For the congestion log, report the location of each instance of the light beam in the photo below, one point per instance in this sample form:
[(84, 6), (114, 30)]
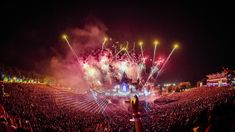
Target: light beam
[(141, 48), (154, 53), (103, 44), (65, 37), (167, 59)]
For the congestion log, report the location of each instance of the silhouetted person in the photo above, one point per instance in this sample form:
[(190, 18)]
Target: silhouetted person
[(136, 114)]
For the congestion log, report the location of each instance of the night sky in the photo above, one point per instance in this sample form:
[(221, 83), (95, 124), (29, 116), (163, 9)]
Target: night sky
[(30, 32)]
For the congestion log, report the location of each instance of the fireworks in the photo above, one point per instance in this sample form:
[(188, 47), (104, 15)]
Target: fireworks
[(154, 52), (167, 59), (105, 66), (103, 44), (141, 48), (65, 37)]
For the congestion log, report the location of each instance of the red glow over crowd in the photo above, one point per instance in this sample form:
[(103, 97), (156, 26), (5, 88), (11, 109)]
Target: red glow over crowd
[(35, 105)]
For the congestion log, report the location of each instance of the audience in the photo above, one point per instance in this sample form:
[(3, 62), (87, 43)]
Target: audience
[(35, 107)]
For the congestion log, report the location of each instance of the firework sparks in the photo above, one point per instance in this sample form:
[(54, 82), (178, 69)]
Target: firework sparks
[(106, 65), (103, 44)]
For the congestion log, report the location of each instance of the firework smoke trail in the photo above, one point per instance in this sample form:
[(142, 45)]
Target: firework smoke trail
[(105, 39), (118, 53), (142, 52), (141, 48), (154, 52), (71, 48), (141, 68), (129, 55), (133, 47), (127, 44), (154, 69), (167, 59)]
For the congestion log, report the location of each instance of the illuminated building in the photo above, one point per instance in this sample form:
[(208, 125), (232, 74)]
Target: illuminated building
[(225, 78)]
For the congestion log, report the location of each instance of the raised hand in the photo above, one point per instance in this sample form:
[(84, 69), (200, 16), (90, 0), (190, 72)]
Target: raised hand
[(135, 104)]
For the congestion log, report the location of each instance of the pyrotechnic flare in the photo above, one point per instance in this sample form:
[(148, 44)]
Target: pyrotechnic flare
[(65, 37), (119, 52), (154, 69), (121, 49), (103, 67), (167, 59), (127, 45), (154, 53), (126, 50), (133, 47), (105, 40), (141, 48)]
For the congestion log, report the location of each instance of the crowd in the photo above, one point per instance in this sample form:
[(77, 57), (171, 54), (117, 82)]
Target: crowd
[(188, 109), (39, 104), (12, 124)]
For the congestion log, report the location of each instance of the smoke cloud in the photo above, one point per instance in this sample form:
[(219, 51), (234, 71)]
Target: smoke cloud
[(66, 70)]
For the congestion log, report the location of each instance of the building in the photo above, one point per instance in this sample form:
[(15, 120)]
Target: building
[(224, 78)]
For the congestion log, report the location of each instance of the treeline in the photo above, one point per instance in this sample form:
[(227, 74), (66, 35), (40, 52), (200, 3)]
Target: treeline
[(10, 74)]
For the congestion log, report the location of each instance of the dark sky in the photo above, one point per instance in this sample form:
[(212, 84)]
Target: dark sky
[(31, 31)]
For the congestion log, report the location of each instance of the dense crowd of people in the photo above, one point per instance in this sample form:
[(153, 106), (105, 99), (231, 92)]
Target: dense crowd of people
[(40, 105), (186, 110)]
